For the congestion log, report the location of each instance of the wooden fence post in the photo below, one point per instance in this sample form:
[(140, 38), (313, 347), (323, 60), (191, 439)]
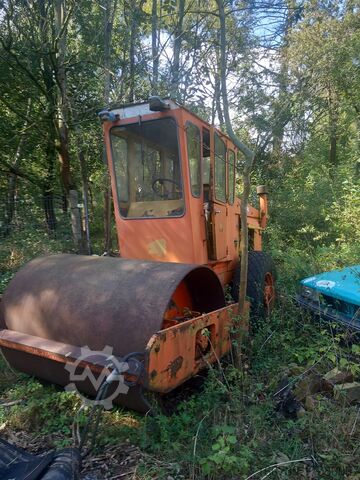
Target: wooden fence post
[(76, 226)]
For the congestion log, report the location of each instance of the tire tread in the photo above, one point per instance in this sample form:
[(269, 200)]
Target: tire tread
[(260, 263)]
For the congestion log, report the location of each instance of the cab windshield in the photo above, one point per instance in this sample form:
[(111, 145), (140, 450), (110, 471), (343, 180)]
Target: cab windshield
[(147, 169)]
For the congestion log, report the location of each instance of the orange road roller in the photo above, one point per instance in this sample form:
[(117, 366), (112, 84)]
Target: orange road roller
[(161, 307)]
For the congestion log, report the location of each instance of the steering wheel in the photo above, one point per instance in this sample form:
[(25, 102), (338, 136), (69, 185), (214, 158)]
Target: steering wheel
[(161, 182)]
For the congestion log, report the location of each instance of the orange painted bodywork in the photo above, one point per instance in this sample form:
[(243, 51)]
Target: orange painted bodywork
[(183, 347), (175, 354), (183, 239)]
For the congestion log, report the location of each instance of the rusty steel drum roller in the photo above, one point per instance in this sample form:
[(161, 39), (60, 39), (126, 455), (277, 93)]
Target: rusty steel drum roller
[(62, 302)]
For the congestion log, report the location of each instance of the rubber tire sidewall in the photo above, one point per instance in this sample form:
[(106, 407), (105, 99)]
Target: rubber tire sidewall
[(259, 264)]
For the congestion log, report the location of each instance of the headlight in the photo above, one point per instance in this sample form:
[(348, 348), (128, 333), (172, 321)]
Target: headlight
[(310, 294)]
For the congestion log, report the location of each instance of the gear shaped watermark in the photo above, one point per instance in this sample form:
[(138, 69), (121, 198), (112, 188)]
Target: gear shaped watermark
[(86, 373)]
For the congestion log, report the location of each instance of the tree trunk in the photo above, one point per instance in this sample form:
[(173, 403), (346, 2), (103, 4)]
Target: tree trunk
[(154, 48), (12, 178), (333, 145), (84, 176), (107, 214), (333, 126), (63, 111), (108, 27), (132, 57), (10, 203), (249, 160), (50, 115), (280, 106), (135, 20), (278, 125), (48, 189), (63, 102), (217, 88), (110, 8), (178, 34), (75, 219), (357, 164)]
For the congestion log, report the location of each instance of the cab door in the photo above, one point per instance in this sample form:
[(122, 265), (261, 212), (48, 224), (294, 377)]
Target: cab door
[(218, 200)]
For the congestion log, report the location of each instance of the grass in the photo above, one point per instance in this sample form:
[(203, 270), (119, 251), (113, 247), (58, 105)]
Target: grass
[(230, 429)]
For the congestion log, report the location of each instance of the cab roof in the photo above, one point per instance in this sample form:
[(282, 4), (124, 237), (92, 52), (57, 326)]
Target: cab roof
[(130, 110)]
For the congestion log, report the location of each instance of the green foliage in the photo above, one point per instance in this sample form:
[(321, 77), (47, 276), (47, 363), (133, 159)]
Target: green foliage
[(225, 458), (313, 217), (14, 252), (41, 409), (230, 427)]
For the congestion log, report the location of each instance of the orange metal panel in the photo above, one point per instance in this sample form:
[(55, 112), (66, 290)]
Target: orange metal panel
[(263, 213), (219, 216), (183, 239), (194, 205), (224, 270), (233, 230), (179, 352)]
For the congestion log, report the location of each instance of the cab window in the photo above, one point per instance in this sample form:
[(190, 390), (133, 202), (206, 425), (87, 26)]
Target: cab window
[(147, 169), (220, 169), (194, 156), (231, 176)]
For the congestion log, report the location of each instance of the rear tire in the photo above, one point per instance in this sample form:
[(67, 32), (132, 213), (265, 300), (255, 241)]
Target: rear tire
[(261, 283)]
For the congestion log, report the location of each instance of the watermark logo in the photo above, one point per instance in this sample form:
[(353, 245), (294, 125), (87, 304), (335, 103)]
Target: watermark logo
[(112, 367)]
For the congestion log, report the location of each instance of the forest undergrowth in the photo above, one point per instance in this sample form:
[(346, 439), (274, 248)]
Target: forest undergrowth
[(237, 425)]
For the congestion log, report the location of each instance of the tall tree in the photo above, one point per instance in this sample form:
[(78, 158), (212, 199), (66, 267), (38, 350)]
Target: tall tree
[(249, 160), (135, 17), (61, 19), (154, 47), (12, 176), (109, 14), (178, 38)]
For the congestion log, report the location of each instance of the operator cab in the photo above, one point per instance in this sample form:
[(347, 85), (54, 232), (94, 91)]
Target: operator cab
[(173, 182)]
